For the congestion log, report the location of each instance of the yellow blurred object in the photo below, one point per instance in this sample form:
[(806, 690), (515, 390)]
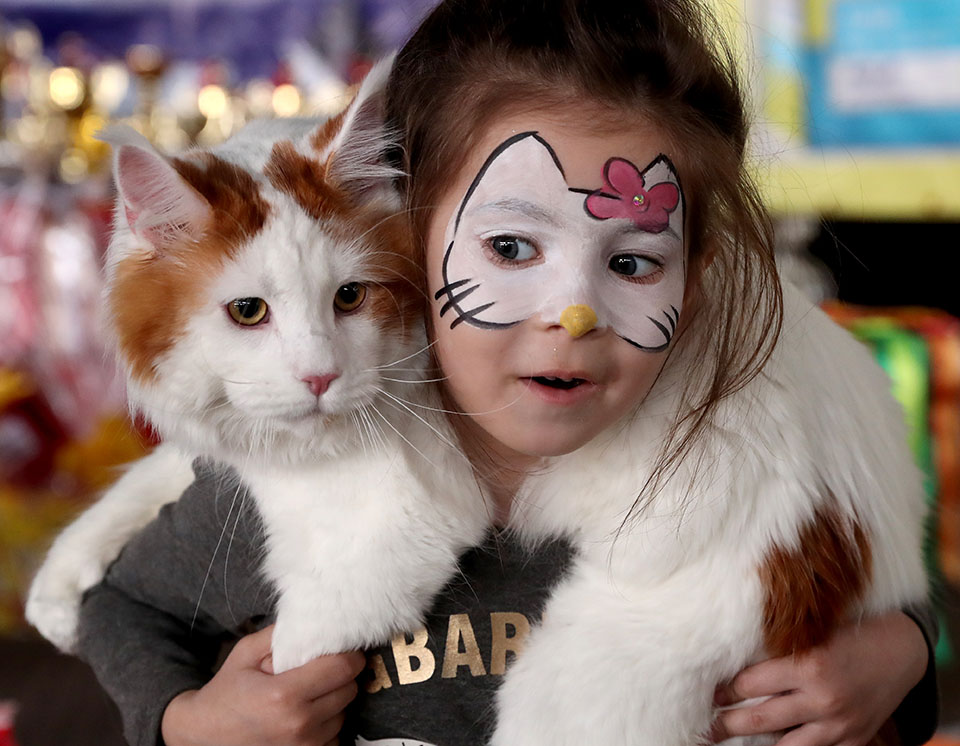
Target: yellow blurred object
[(67, 88), (74, 166), (212, 101), (109, 84), (902, 185), (286, 100), (28, 523), (14, 385), (94, 461)]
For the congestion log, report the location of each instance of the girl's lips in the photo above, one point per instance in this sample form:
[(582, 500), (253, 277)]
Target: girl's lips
[(565, 389)]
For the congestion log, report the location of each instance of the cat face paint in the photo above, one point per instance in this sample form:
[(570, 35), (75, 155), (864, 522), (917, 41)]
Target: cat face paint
[(523, 242)]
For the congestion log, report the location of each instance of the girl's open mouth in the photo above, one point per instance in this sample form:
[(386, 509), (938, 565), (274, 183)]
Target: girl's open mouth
[(564, 384)]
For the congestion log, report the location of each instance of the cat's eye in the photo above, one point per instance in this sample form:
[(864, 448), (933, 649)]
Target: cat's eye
[(634, 267), (248, 311), (350, 297), (512, 249)]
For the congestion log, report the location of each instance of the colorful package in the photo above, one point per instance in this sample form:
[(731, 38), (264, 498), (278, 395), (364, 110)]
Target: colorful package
[(883, 72)]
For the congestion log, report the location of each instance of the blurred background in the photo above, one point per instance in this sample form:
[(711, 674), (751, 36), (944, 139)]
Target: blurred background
[(856, 147)]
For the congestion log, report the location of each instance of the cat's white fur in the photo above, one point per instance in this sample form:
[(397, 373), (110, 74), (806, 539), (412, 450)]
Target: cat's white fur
[(379, 480), (81, 554), (651, 617)]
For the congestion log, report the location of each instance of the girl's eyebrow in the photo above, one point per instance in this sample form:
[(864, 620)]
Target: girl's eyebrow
[(631, 229), (521, 206)]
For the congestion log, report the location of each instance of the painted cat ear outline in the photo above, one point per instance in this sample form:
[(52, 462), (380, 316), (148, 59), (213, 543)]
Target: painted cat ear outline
[(458, 290), (453, 289)]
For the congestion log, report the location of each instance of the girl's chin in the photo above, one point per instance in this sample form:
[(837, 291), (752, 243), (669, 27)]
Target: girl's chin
[(528, 444)]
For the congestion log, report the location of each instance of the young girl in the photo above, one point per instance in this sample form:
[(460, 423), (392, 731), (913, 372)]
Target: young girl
[(491, 97)]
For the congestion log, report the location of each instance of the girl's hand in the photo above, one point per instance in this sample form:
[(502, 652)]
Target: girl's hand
[(245, 704), (838, 694)]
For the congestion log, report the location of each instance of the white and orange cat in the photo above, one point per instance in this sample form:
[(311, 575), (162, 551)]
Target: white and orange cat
[(265, 304), (261, 298)]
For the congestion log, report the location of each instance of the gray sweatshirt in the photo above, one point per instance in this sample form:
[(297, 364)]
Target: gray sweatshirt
[(191, 582)]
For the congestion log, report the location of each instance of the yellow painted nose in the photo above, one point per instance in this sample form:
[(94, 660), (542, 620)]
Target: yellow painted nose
[(578, 320)]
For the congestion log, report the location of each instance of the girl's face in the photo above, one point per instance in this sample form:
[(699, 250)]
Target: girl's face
[(557, 267)]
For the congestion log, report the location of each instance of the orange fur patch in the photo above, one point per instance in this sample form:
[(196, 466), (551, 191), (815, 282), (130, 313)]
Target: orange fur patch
[(152, 297), (395, 299), (305, 181), (397, 302), (327, 131), (239, 211), (811, 588)]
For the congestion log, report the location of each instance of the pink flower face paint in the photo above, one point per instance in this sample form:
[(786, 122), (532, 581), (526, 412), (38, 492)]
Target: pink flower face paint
[(631, 200), (524, 243)]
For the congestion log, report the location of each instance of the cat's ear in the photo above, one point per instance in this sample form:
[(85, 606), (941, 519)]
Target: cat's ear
[(357, 152), (158, 205)]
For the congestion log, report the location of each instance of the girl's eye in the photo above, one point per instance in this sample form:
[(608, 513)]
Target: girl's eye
[(631, 265), (513, 249), (248, 311), (350, 297)]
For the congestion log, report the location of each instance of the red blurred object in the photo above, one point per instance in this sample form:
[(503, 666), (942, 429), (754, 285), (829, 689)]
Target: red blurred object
[(282, 75), (8, 711), (360, 65), (30, 435)]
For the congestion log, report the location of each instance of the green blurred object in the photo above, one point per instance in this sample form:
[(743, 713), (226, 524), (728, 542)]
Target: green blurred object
[(905, 358)]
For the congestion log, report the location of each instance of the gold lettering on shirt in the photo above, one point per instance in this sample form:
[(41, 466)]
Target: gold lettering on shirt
[(381, 678), (404, 652), (460, 629), (501, 642)]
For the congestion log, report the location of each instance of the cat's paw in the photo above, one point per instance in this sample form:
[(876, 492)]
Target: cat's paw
[(53, 602), (292, 645)]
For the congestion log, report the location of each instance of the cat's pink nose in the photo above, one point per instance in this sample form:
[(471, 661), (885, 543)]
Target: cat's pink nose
[(319, 384)]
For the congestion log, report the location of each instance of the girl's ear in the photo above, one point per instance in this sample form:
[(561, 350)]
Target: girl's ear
[(159, 206), (357, 153)]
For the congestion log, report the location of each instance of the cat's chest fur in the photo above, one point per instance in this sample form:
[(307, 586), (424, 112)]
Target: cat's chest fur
[(358, 544)]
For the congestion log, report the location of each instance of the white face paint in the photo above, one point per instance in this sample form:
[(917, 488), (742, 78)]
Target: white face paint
[(524, 243)]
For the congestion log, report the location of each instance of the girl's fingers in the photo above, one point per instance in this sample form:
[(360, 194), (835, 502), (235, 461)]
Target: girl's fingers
[(765, 679), (251, 650), (328, 730), (323, 675), (775, 714), (812, 734), (335, 702)]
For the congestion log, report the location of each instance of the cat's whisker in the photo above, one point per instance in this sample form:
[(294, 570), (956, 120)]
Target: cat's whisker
[(409, 260), (393, 297), (402, 277), (358, 238), (411, 370), (375, 429), (404, 359), (462, 414), (226, 563), (401, 435), (400, 403), (216, 549), (428, 380), (355, 418)]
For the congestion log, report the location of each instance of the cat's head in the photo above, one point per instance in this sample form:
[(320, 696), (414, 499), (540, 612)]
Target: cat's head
[(258, 289)]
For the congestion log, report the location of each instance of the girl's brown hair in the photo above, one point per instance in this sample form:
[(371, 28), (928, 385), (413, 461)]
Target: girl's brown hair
[(659, 62)]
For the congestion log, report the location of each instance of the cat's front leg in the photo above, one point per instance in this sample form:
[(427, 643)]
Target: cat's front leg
[(80, 555), (628, 665)]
